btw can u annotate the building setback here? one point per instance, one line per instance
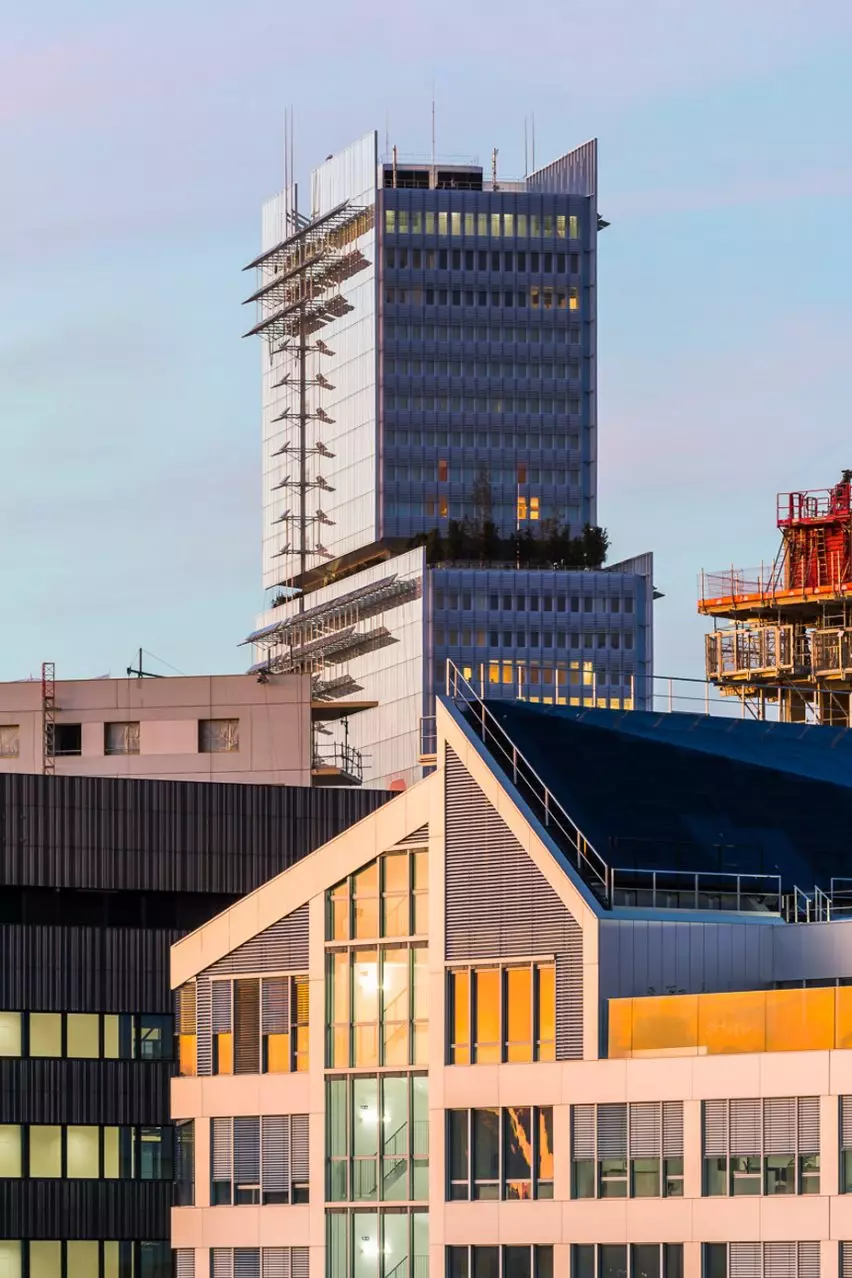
(99, 877)
(501, 1031)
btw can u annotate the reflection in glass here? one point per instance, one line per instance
(486, 1262)
(517, 1260)
(519, 1014)
(517, 1153)
(365, 896)
(546, 1012)
(486, 1153)
(365, 1239)
(486, 995)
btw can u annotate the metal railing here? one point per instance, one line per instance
(344, 757)
(815, 906)
(591, 866)
(699, 890)
(428, 736)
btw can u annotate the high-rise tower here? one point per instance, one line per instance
(429, 375)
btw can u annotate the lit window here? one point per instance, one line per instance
(83, 1032)
(403, 221)
(495, 226)
(45, 1152)
(574, 227)
(10, 740)
(10, 1154)
(218, 736)
(390, 220)
(522, 507)
(443, 508)
(560, 226)
(442, 224)
(468, 223)
(45, 1034)
(455, 223)
(10, 1033)
(573, 299)
(443, 472)
(534, 508)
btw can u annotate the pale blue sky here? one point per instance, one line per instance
(136, 145)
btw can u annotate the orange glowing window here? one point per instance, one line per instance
(519, 1014)
(443, 471)
(534, 507)
(443, 508)
(460, 1005)
(545, 976)
(486, 1002)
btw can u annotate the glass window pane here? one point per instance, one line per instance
(646, 1261)
(155, 1035)
(780, 1174)
(715, 1260)
(486, 1260)
(82, 1259)
(486, 1153)
(10, 1153)
(45, 1260)
(519, 1013)
(83, 1031)
(396, 872)
(715, 1176)
(339, 912)
(517, 1151)
(365, 986)
(487, 1013)
(396, 915)
(420, 1114)
(365, 1240)
(111, 1261)
(10, 1259)
(612, 1261)
(546, 1012)
(394, 1110)
(673, 1260)
(517, 1260)
(155, 1153)
(365, 1115)
(112, 1156)
(646, 1177)
(337, 1126)
(395, 1243)
(457, 1262)
(83, 1153)
(45, 1151)
(395, 985)
(10, 1036)
(583, 1261)
(45, 1034)
(544, 1171)
(366, 901)
(460, 1002)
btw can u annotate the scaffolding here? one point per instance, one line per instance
(786, 637)
(299, 291)
(48, 717)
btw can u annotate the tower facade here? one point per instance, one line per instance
(429, 410)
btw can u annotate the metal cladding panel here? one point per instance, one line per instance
(85, 969)
(349, 175)
(92, 1091)
(500, 906)
(120, 1210)
(170, 836)
(575, 173)
(644, 957)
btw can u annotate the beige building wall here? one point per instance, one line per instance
(272, 732)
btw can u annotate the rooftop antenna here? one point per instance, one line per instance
(526, 165)
(433, 124)
(494, 154)
(140, 671)
(533, 143)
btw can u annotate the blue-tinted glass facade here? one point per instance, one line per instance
(487, 358)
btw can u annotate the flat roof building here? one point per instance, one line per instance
(466, 1040)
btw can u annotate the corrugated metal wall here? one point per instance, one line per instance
(120, 1210)
(500, 906)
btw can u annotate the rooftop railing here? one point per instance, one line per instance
(701, 890)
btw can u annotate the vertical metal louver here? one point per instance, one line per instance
(184, 1266)
(612, 1131)
(672, 1129)
(744, 1260)
(745, 1128)
(247, 1026)
(299, 1149)
(779, 1126)
(275, 1168)
(222, 1141)
(583, 1131)
(221, 998)
(645, 1129)
(247, 1151)
(275, 1005)
(808, 1123)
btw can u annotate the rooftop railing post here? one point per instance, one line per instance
(671, 695)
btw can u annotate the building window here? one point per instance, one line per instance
(121, 738)
(67, 739)
(378, 1138)
(260, 1160)
(184, 1194)
(443, 472)
(186, 1028)
(260, 1025)
(77, 1152)
(377, 1008)
(218, 736)
(627, 1150)
(500, 1262)
(639, 1260)
(500, 1153)
(10, 740)
(761, 1260)
(845, 1139)
(502, 1014)
(761, 1147)
(372, 1244)
(256, 1262)
(90, 1259)
(86, 1035)
(387, 898)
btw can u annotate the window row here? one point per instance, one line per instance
(248, 1025)
(260, 1160)
(507, 334)
(536, 297)
(530, 639)
(535, 602)
(87, 1035)
(625, 1260)
(403, 400)
(431, 259)
(766, 1146)
(387, 898)
(389, 1243)
(493, 226)
(478, 366)
(500, 1262)
(215, 736)
(84, 1259)
(507, 476)
(502, 1014)
(377, 1007)
(627, 1150)
(500, 1153)
(523, 435)
(524, 676)
(43, 1151)
(377, 1131)
(252, 1262)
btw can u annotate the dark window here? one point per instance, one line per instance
(67, 739)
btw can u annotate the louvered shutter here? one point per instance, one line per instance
(299, 1262)
(185, 1008)
(846, 1258)
(221, 995)
(299, 1149)
(612, 1131)
(779, 1260)
(584, 1131)
(275, 1009)
(745, 1127)
(744, 1260)
(846, 1121)
(715, 1128)
(247, 1151)
(222, 1262)
(276, 1155)
(205, 1024)
(184, 1262)
(276, 1262)
(673, 1129)
(809, 1260)
(645, 1129)
(246, 1262)
(302, 999)
(247, 1025)
(222, 1149)
(808, 1121)
(779, 1127)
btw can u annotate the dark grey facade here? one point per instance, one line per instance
(98, 877)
